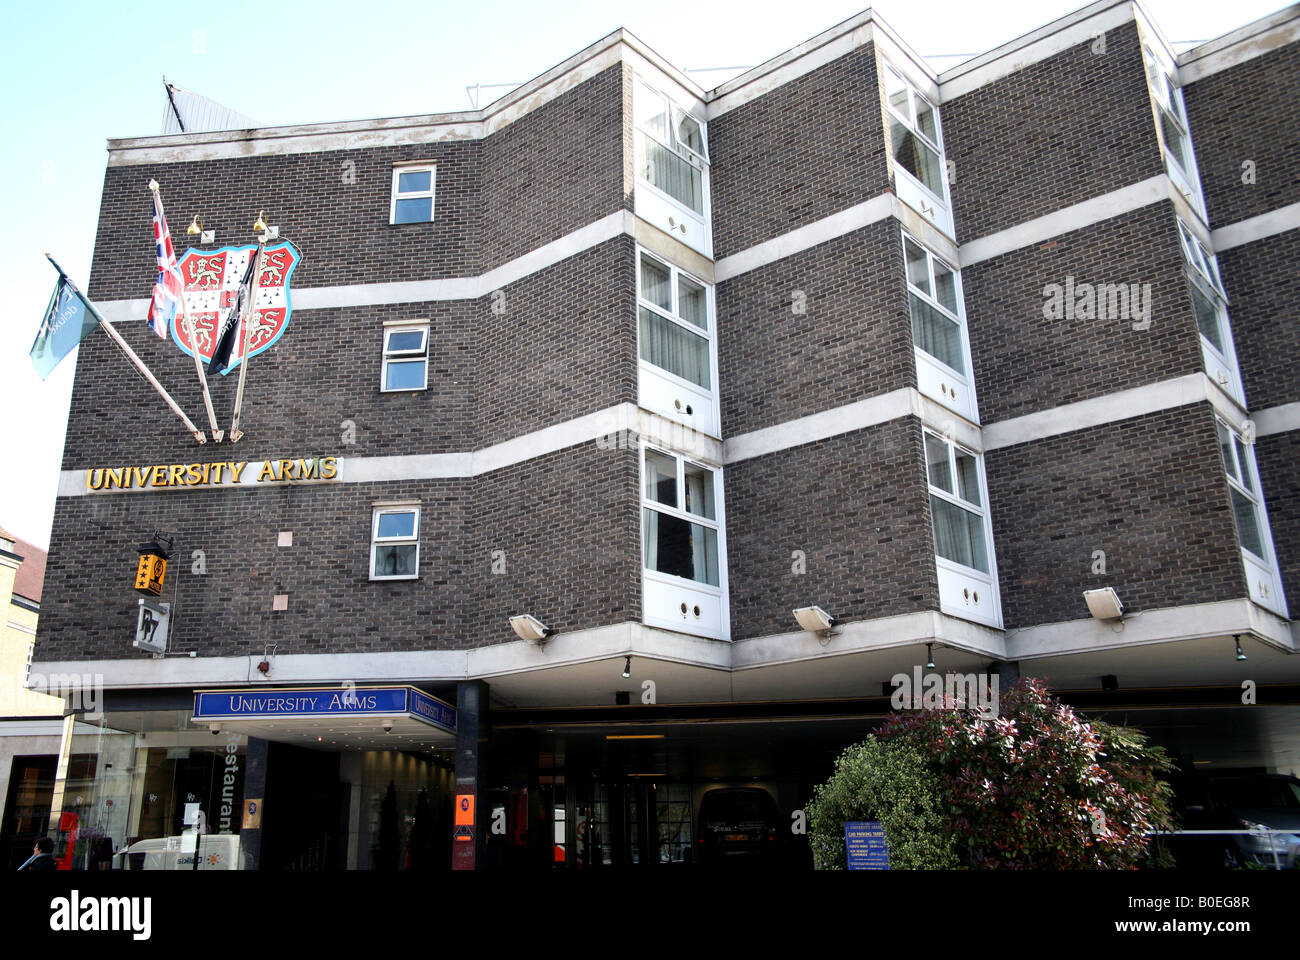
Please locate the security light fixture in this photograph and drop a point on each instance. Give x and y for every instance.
(1104, 603)
(1110, 683)
(929, 656)
(816, 620)
(1237, 639)
(528, 627)
(627, 668)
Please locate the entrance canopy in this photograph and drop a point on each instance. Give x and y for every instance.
(332, 718)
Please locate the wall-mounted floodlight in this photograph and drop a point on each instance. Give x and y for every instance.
(816, 620)
(1104, 603)
(527, 627)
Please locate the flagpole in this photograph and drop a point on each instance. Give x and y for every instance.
(131, 355)
(188, 323)
(235, 432)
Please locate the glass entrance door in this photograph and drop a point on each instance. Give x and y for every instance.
(633, 822)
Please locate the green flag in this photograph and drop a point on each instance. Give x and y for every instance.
(68, 319)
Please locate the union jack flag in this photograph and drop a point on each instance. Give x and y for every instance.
(167, 290)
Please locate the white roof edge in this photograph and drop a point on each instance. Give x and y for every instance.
(524, 90)
(794, 53)
(1033, 36)
(1252, 30)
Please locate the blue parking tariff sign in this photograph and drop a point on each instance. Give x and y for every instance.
(865, 843)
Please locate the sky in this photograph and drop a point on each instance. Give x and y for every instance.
(77, 74)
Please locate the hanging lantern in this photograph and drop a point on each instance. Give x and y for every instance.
(149, 572)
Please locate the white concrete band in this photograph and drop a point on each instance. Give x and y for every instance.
(1255, 39)
(1256, 228)
(618, 426)
(1074, 217)
(1280, 419)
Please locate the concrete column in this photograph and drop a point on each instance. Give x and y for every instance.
(468, 848)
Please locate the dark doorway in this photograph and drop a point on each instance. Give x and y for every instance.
(305, 812)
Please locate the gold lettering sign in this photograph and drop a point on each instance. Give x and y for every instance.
(221, 473)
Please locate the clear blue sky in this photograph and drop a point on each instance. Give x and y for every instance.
(75, 74)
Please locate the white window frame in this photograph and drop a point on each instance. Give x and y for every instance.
(404, 356)
(967, 380)
(1242, 474)
(1203, 273)
(398, 170)
(909, 120)
(1167, 97)
(674, 315)
(673, 145)
(681, 513)
(989, 580)
(377, 541)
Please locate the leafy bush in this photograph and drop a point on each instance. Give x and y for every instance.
(889, 782)
(1037, 787)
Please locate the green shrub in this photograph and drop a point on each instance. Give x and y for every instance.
(889, 782)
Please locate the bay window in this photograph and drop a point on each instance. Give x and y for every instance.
(1246, 497)
(676, 344)
(672, 159)
(962, 532)
(682, 550)
(1174, 131)
(938, 331)
(1209, 303)
(917, 148)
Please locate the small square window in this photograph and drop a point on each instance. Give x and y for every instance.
(395, 543)
(406, 358)
(412, 194)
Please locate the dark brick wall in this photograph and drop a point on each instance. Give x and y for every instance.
(555, 169)
(854, 339)
(856, 505)
(1247, 112)
(1060, 131)
(1149, 491)
(808, 149)
(1025, 363)
(564, 346)
(1277, 457)
(1261, 279)
(527, 510)
(552, 171)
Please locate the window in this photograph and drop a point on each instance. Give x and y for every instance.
(412, 194)
(1209, 303)
(1174, 131)
(674, 313)
(1244, 492)
(672, 152)
(914, 130)
(679, 506)
(957, 503)
(406, 357)
(395, 543)
(935, 300)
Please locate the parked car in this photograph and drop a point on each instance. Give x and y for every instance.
(740, 824)
(1231, 800)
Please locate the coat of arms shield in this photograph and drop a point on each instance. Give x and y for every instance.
(212, 281)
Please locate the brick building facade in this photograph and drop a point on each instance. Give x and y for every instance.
(934, 352)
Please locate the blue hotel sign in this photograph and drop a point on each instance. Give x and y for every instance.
(212, 705)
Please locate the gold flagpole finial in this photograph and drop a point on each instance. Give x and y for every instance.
(195, 227)
(259, 225)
